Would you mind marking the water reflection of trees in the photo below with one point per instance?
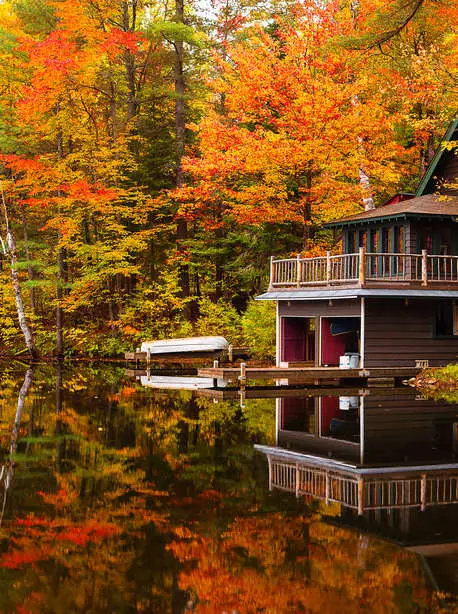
(130, 500)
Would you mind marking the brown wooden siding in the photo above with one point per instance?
(399, 333)
(312, 309)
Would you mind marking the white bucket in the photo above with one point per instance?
(348, 403)
(353, 359)
(344, 362)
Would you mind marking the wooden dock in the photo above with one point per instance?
(309, 375)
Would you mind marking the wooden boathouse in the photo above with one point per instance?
(390, 299)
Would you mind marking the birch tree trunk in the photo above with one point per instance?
(26, 330)
(11, 252)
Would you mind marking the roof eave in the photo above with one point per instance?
(389, 218)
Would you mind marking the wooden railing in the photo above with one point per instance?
(364, 493)
(361, 268)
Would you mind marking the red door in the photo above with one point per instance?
(293, 337)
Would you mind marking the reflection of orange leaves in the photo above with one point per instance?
(211, 495)
(259, 563)
(92, 532)
(15, 559)
(31, 604)
(60, 498)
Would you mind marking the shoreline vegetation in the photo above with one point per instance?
(440, 383)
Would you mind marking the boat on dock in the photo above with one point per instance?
(186, 348)
(185, 345)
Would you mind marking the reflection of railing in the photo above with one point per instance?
(364, 267)
(364, 492)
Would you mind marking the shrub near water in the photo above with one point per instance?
(219, 318)
(258, 327)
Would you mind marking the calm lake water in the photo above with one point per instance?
(116, 496)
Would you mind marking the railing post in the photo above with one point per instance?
(272, 272)
(424, 267)
(298, 271)
(328, 267)
(362, 265)
(360, 497)
(423, 492)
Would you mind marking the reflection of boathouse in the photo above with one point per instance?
(360, 489)
(383, 451)
(389, 299)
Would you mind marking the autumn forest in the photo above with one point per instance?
(153, 156)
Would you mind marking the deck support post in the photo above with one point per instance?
(424, 267)
(328, 268)
(298, 271)
(362, 266)
(270, 472)
(423, 492)
(242, 376)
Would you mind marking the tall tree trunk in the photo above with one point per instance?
(307, 211)
(11, 251)
(129, 25)
(60, 267)
(182, 227)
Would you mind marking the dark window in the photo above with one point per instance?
(362, 239)
(351, 242)
(427, 240)
(373, 241)
(385, 240)
(398, 239)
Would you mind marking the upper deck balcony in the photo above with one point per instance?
(365, 269)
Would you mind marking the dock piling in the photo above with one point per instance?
(242, 376)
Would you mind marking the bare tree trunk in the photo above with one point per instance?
(11, 250)
(307, 211)
(364, 180)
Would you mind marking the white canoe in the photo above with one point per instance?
(185, 345)
(178, 383)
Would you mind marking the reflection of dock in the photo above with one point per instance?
(285, 392)
(362, 489)
(306, 374)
